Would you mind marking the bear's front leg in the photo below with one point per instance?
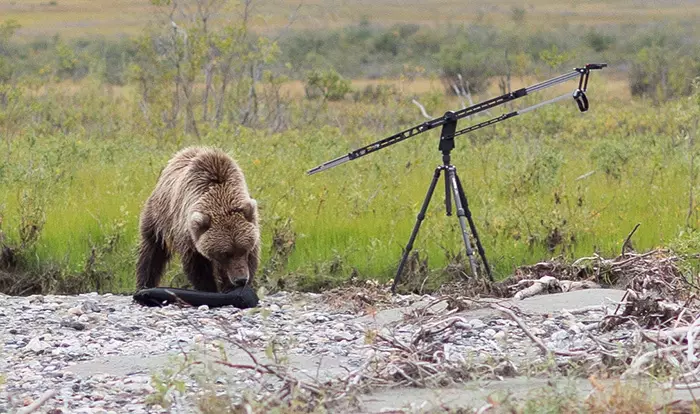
(153, 256)
(253, 262)
(199, 271)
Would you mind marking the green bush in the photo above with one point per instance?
(610, 157)
(465, 59)
(661, 73)
(326, 84)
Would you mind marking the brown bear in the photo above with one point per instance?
(200, 209)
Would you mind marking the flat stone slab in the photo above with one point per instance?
(475, 395)
(558, 302)
(125, 365)
(539, 304)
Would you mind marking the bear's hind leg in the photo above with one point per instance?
(200, 272)
(153, 257)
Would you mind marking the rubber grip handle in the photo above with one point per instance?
(242, 297)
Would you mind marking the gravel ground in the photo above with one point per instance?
(42, 337)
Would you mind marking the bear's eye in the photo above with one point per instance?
(237, 252)
(231, 253)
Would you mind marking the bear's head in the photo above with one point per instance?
(228, 237)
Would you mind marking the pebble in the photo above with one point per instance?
(488, 333)
(476, 324)
(500, 335)
(560, 335)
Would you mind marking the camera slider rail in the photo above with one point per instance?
(579, 96)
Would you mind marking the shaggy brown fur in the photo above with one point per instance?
(201, 209)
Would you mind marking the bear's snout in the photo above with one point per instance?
(239, 281)
(237, 271)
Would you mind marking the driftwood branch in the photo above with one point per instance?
(422, 109)
(538, 286)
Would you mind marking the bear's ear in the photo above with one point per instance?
(199, 223)
(249, 209)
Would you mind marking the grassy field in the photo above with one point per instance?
(587, 177)
(85, 17)
(82, 154)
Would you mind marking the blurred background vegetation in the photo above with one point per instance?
(95, 96)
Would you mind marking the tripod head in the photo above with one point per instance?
(447, 140)
(449, 120)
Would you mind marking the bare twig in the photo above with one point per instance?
(422, 109)
(625, 245)
(36, 404)
(584, 309)
(530, 335)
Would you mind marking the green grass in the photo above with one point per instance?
(360, 214)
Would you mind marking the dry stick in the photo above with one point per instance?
(428, 330)
(643, 359)
(422, 109)
(36, 404)
(631, 259)
(629, 236)
(621, 302)
(484, 408)
(691, 339)
(529, 333)
(584, 309)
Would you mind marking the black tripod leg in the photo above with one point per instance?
(479, 247)
(416, 227)
(448, 197)
(452, 178)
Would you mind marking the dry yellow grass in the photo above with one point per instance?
(90, 17)
(603, 85)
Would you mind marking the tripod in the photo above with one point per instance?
(453, 187)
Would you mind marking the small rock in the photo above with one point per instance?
(506, 369)
(78, 326)
(500, 335)
(76, 311)
(538, 331)
(90, 306)
(36, 299)
(476, 324)
(36, 345)
(318, 318)
(342, 336)
(559, 335)
(488, 333)
(203, 308)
